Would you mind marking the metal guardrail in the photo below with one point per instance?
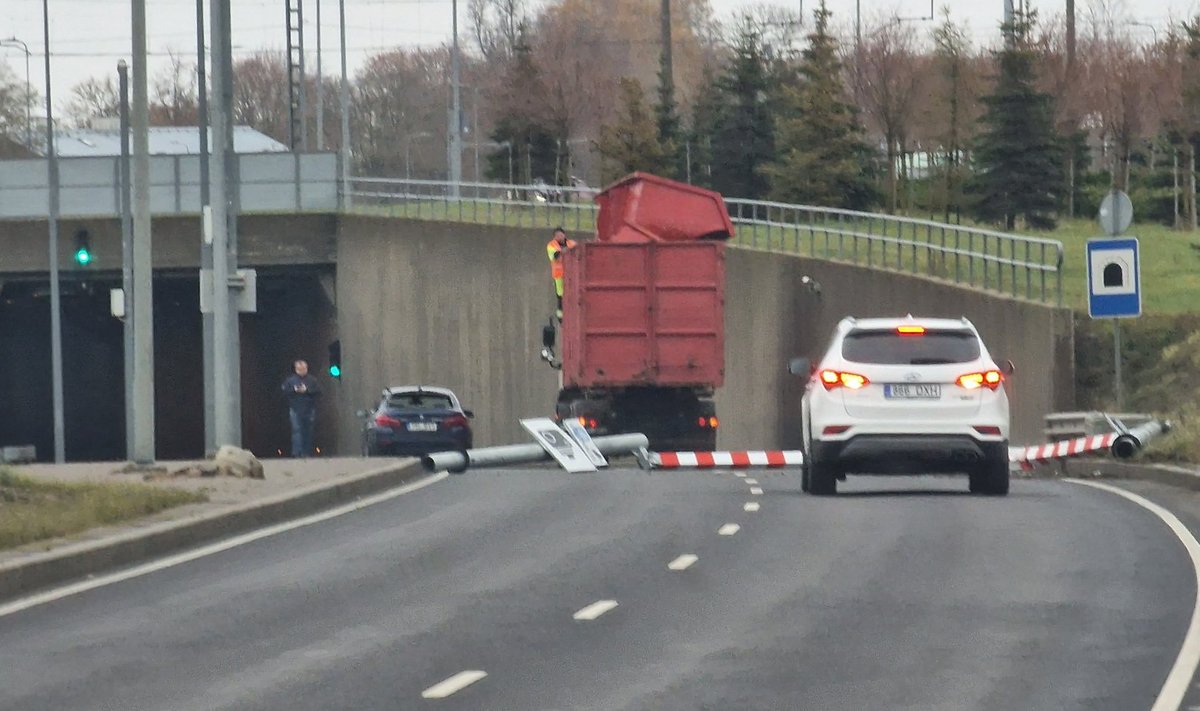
(1070, 425)
(1026, 267)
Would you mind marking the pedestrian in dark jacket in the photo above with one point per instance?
(301, 391)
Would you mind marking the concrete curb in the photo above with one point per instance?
(78, 560)
(1114, 469)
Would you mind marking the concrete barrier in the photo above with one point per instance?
(462, 306)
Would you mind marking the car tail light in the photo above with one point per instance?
(988, 430)
(910, 330)
(588, 422)
(835, 429)
(989, 379)
(385, 421)
(454, 421)
(835, 378)
(708, 423)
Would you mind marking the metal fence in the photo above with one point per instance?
(1026, 267)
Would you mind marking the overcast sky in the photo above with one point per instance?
(87, 37)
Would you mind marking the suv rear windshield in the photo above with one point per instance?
(931, 348)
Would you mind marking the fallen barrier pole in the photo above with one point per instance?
(461, 461)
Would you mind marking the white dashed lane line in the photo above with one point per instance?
(740, 475)
(750, 506)
(755, 491)
(595, 609)
(729, 529)
(683, 562)
(752, 481)
(453, 685)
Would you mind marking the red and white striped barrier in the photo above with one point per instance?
(1028, 456)
(715, 460)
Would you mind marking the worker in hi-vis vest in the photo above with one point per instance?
(554, 249)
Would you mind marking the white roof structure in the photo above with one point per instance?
(164, 141)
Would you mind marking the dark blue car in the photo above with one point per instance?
(412, 420)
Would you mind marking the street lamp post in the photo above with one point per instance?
(1137, 23)
(13, 42)
(56, 345)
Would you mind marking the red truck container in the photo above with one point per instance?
(643, 328)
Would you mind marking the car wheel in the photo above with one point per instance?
(804, 481)
(822, 479)
(991, 476)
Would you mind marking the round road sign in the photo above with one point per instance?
(1116, 213)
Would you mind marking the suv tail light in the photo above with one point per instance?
(588, 422)
(711, 423)
(989, 379)
(454, 421)
(835, 378)
(385, 421)
(910, 330)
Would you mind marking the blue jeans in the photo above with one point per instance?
(302, 432)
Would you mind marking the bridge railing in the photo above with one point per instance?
(1026, 267)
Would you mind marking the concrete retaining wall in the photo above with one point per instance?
(462, 306)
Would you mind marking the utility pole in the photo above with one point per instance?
(206, 253)
(143, 270)
(454, 144)
(1070, 38)
(226, 380)
(56, 364)
(320, 89)
(668, 71)
(345, 92)
(127, 256)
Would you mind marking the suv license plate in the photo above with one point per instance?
(908, 391)
(422, 427)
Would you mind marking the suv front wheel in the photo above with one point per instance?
(990, 477)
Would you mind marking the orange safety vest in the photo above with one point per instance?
(554, 252)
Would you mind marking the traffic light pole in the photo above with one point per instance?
(143, 271)
(56, 350)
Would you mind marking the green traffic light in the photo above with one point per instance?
(335, 371)
(83, 257)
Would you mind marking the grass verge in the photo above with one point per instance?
(34, 510)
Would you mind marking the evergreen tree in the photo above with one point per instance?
(633, 143)
(523, 125)
(706, 114)
(824, 158)
(666, 113)
(1018, 156)
(743, 136)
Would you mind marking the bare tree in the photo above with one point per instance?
(496, 26)
(92, 99)
(174, 100)
(886, 76)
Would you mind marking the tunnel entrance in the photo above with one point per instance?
(296, 319)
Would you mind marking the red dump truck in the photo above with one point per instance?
(643, 325)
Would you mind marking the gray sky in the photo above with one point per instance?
(89, 36)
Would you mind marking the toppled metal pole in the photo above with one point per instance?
(1129, 442)
(459, 462)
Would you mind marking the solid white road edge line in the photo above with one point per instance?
(683, 562)
(453, 685)
(170, 561)
(750, 506)
(729, 529)
(1170, 698)
(755, 491)
(595, 609)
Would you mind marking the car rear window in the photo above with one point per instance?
(930, 348)
(419, 401)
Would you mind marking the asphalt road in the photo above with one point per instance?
(902, 594)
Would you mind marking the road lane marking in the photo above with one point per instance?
(171, 561)
(740, 475)
(755, 491)
(595, 609)
(453, 685)
(1170, 698)
(750, 506)
(683, 562)
(729, 529)
(752, 481)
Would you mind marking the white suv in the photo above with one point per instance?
(905, 396)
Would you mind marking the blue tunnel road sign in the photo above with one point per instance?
(1114, 278)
